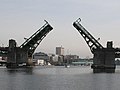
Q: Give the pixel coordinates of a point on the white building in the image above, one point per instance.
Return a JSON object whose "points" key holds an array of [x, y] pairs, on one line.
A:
{"points": [[41, 58]]}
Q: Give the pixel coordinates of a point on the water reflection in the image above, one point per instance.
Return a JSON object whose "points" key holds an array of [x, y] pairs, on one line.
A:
{"points": [[57, 78], [21, 70]]}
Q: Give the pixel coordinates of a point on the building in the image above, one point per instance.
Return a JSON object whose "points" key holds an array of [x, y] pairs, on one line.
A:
{"points": [[53, 58], [41, 55], [41, 58], [69, 58], [59, 51], [85, 62], [56, 59]]}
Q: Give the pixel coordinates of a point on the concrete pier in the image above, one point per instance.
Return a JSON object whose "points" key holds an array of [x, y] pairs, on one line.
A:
{"points": [[104, 59]]}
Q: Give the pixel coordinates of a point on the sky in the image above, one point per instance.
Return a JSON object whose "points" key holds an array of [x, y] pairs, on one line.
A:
{"points": [[21, 18]]}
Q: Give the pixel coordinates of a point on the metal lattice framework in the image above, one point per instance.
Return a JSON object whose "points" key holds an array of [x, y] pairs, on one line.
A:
{"points": [[31, 44], [90, 40]]}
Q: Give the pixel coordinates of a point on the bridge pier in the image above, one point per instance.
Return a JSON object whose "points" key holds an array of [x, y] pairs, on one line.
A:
{"points": [[104, 59], [16, 55]]}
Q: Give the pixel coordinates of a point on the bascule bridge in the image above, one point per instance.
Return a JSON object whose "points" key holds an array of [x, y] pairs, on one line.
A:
{"points": [[103, 57], [23, 54]]}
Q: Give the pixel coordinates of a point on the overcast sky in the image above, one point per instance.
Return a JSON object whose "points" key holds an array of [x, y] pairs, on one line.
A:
{"points": [[21, 18]]}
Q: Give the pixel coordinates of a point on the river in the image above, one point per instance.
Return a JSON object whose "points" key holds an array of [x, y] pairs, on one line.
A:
{"points": [[57, 78]]}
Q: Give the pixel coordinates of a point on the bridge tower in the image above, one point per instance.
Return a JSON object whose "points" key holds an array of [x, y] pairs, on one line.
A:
{"points": [[103, 58]]}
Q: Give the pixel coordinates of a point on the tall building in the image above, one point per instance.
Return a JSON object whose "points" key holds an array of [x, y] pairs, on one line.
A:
{"points": [[59, 50]]}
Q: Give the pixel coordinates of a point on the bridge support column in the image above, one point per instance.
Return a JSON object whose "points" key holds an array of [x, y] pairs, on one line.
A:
{"points": [[16, 55], [104, 60]]}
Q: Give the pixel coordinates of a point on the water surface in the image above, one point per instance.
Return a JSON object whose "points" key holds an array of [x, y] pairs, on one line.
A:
{"points": [[57, 78]]}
